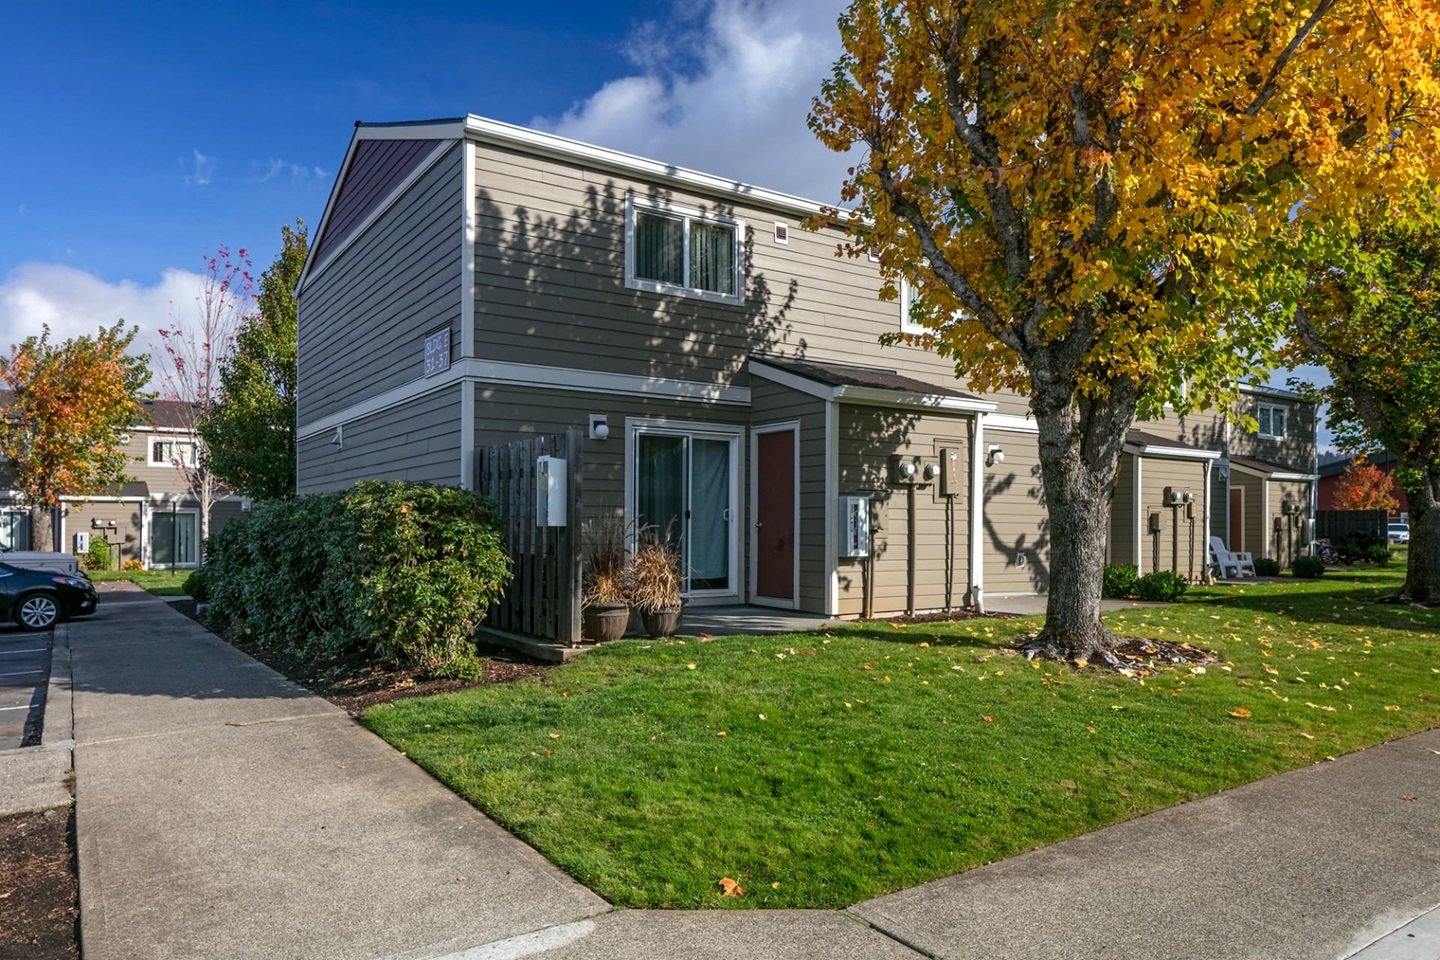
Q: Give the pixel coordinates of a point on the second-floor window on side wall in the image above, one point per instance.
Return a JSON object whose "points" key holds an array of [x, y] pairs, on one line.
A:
{"points": [[907, 300], [164, 453], [681, 251], [1272, 417]]}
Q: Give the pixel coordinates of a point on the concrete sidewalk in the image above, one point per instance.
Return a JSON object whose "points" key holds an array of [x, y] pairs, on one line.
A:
{"points": [[224, 812]]}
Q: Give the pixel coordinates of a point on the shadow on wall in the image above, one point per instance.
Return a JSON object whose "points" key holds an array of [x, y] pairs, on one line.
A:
{"points": [[1017, 528], [123, 538], [869, 437], [557, 283]]}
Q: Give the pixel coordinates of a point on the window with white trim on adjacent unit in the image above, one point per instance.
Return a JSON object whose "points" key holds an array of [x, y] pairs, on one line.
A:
{"points": [[165, 452], [676, 250], [1272, 417], [907, 300]]}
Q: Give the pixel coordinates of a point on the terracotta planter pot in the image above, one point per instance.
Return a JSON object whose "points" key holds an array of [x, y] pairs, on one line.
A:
{"points": [[662, 623], [602, 622]]}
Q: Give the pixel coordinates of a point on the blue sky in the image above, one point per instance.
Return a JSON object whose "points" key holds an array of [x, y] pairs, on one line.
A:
{"points": [[138, 139]]}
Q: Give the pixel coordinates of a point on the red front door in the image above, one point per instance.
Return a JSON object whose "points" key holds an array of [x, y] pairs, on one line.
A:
{"points": [[1237, 520], [775, 515]]}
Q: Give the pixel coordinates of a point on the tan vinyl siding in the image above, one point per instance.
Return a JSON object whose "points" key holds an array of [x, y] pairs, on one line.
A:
{"points": [[1296, 451], [364, 319], [125, 535], [550, 266], [1122, 513], [417, 441], [1180, 545], [1017, 527], [1290, 541], [1202, 429], [868, 438], [772, 403]]}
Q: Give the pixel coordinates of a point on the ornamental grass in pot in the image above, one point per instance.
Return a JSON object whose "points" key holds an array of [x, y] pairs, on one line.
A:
{"points": [[605, 602], [655, 582]]}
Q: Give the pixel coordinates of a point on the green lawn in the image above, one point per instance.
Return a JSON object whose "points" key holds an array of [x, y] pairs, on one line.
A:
{"points": [[821, 769], [162, 583]]}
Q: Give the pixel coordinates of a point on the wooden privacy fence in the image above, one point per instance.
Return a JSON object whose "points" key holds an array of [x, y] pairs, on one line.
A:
{"points": [[543, 599], [1333, 525]]}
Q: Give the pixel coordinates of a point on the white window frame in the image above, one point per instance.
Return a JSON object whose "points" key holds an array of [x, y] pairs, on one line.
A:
{"points": [[155, 510], [24, 514], [685, 215], [735, 435], [907, 297], [1272, 407], [793, 601], [154, 439]]}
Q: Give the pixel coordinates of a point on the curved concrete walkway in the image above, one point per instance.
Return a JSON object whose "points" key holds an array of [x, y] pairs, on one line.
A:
{"points": [[224, 812]]}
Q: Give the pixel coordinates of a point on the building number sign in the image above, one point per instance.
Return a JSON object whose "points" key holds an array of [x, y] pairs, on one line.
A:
{"points": [[437, 352]]}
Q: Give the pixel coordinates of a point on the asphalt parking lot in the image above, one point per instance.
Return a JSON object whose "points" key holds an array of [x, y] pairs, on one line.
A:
{"points": [[24, 669]]}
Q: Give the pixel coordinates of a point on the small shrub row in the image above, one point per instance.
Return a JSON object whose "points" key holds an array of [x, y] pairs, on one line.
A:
{"points": [[1308, 568], [1363, 547], [97, 557], [394, 572], [1122, 582], [1267, 567]]}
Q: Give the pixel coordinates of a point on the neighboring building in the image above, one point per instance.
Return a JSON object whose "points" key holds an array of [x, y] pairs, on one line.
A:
{"points": [[1331, 471], [473, 282], [152, 518]]}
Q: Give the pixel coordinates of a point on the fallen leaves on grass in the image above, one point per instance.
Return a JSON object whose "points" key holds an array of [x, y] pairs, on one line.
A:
{"points": [[729, 888], [1240, 712]]}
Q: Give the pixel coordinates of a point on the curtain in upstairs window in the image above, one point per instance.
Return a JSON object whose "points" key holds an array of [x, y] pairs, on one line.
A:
{"points": [[659, 248], [712, 257]]}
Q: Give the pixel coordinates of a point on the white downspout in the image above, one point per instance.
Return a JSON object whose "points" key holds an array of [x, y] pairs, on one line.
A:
{"points": [[977, 516]]}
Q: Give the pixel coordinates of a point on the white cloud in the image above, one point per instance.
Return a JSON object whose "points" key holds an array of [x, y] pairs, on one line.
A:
{"points": [[73, 302], [727, 92], [200, 169], [266, 170]]}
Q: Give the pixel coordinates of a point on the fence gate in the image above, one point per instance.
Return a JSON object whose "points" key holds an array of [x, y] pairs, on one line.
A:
{"points": [[543, 599]]}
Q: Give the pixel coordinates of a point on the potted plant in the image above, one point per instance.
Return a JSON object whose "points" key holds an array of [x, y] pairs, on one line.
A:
{"points": [[655, 581], [605, 603]]}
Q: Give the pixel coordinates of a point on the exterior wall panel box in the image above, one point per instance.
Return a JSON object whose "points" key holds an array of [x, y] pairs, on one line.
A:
{"points": [[950, 485], [550, 492], [854, 519]]}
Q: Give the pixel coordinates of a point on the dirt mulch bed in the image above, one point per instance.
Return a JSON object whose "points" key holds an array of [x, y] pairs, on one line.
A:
{"points": [[939, 617], [356, 685], [39, 892]]}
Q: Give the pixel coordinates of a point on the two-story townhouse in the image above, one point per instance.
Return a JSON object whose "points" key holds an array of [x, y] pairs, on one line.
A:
{"points": [[473, 282], [152, 518]]}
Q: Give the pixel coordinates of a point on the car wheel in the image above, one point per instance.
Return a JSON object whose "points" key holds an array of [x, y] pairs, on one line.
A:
{"points": [[37, 611]]}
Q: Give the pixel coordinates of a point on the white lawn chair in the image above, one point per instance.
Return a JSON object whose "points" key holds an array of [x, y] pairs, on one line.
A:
{"points": [[1226, 561]]}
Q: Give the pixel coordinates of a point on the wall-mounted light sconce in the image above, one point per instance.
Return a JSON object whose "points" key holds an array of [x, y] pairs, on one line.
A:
{"points": [[599, 427], [994, 454], [338, 439]]}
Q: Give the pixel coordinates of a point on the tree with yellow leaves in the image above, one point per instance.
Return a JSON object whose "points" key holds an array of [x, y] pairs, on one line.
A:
{"points": [[1084, 197], [63, 414]]}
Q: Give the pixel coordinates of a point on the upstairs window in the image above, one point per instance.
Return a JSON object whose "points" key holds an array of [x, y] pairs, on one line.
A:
{"points": [[907, 300], [1272, 418], [675, 250], [165, 453]]}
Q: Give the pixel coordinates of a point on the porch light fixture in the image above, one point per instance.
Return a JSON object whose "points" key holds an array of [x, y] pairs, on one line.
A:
{"points": [[338, 440], [995, 454], [599, 428]]}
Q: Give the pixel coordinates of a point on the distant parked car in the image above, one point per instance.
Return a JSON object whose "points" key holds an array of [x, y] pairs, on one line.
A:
{"points": [[41, 560], [1399, 532], [38, 599]]}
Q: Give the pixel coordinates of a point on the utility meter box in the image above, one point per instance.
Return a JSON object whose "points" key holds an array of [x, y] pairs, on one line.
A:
{"points": [[82, 541], [550, 492], [950, 472], [854, 519]]}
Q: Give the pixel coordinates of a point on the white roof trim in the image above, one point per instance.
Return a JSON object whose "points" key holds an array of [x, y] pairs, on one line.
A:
{"points": [[869, 396], [1277, 475], [1263, 390], [1012, 423], [1172, 453]]}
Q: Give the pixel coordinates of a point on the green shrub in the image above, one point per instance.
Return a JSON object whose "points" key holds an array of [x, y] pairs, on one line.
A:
{"points": [[397, 572], [1162, 586], [1379, 553], [194, 586], [1308, 568], [1267, 567], [97, 557], [1119, 580]]}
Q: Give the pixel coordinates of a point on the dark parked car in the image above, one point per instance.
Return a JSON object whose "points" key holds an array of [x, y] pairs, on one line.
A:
{"points": [[36, 599]]}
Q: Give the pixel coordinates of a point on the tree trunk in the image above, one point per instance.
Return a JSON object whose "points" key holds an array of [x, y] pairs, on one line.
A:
{"points": [[1080, 446], [1422, 564], [207, 500], [42, 528]]}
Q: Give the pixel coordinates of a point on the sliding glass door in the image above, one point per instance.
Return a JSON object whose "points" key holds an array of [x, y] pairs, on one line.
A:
{"points": [[173, 538], [685, 488]]}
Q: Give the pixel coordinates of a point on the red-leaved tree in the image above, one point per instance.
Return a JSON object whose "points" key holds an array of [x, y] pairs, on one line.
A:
{"points": [[194, 349], [1364, 486]]}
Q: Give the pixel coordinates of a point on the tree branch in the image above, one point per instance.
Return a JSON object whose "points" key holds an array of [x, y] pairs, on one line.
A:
{"points": [[1271, 85]]}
